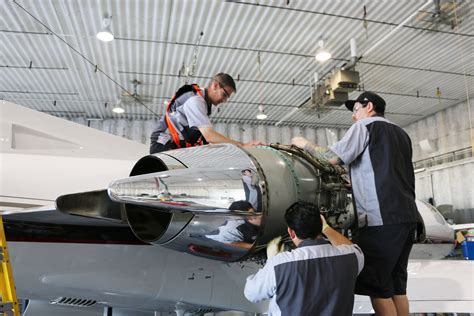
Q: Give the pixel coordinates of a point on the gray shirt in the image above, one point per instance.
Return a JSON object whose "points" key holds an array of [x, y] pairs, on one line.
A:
{"points": [[189, 110], [379, 155]]}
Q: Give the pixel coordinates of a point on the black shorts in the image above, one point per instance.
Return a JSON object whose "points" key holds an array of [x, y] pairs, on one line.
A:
{"points": [[157, 147], [386, 250]]}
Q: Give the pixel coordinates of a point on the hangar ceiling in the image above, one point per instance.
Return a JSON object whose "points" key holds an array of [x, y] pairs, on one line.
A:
{"points": [[417, 55]]}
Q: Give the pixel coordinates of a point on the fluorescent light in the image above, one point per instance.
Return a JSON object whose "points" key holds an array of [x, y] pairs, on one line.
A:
{"points": [[105, 33], [118, 110]]}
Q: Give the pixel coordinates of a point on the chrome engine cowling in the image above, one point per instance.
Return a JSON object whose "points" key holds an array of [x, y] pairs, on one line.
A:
{"points": [[180, 199], [184, 199]]}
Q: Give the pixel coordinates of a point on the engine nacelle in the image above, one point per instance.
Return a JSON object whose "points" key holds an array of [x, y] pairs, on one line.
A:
{"points": [[180, 199]]}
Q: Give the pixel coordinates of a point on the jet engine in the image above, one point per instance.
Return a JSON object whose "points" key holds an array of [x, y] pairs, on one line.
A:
{"points": [[183, 199], [222, 201]]}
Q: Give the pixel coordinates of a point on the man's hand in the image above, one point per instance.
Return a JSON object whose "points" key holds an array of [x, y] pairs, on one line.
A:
{"points": [[334, 237], [274, 247], [300, 142], [253, 143], [325, 224]]}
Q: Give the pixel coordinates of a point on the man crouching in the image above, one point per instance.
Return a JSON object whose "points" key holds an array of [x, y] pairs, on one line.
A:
{"points": [[317, 278]]}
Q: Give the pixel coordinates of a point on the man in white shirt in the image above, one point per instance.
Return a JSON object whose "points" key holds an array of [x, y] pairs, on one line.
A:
{"points": [[187, 123]]}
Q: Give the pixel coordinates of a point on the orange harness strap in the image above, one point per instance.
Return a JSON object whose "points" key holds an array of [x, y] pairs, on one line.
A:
{"points": [[173, 132]]}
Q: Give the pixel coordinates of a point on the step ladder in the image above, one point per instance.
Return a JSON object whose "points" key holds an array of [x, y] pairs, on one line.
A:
{"points": [[9, 304]]}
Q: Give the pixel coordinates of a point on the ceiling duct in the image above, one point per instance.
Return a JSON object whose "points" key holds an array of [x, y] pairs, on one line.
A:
{"points": [[335, 89]]}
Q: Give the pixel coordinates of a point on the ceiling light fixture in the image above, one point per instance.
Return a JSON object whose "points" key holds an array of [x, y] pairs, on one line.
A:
{"points": [[322, 54], [261, 114], [105, 33], [118, 110]]}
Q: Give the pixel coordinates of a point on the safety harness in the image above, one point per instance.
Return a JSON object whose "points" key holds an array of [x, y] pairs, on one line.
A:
{"points": [[191, 137]]}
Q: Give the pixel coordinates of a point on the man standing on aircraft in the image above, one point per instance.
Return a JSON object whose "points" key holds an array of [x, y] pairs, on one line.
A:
{"points": [[379, 156], [186, 121], [317, 278]]}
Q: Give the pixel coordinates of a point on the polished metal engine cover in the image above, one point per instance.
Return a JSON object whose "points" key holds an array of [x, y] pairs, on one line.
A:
{"points": [[180, 199]]}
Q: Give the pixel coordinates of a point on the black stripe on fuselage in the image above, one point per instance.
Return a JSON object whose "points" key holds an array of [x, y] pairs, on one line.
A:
{"points": [[89, 231]]}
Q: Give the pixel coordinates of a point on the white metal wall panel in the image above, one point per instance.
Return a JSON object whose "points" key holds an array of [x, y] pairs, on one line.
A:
{"points": [[450, 184], [448, 130]]}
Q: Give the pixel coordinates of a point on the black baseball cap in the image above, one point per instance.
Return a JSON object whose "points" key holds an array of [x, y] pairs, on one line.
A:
{"points": [[377, 101]]}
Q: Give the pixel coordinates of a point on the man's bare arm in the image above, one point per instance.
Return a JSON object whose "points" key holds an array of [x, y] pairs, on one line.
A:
{"points": [[214, 137]]}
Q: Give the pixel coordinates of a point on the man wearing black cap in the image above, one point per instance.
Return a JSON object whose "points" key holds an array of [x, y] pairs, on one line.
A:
{"points": [[378, 154]]}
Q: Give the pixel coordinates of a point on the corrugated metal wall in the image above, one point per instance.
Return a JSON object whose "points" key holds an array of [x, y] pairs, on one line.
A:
{"points": [[443, 132], [446, 131], [140, 130], [450, 184]]}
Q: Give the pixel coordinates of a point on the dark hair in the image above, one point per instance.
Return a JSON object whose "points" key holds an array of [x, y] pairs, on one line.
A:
{"points": [[240, 206], [225, 80], [303, 217]]}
